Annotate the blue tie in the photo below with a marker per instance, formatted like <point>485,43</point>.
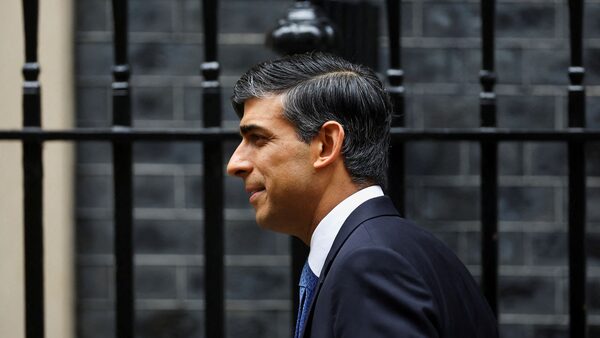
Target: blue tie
<point>308,283</point>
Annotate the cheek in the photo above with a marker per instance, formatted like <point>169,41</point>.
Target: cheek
<point>295,180</point>
<point>285,169</point>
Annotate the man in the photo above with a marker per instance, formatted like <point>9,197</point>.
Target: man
<point>313,157</point>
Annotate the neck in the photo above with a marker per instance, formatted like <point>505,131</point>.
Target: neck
<point>336,191</point>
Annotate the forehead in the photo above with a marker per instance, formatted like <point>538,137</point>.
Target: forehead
<point>263,110</point>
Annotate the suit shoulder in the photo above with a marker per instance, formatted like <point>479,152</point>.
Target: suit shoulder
<point>398,234</point>
<point>368,255</point>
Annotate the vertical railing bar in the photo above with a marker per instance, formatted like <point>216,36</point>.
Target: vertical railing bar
<point>577,177</point>
<point>395,76</point>
<point>213,180</point>
<point>210,31</point>
<point>33,231</point>
<point>373,26</point>
<point>360,43</point>
<point>489,160</point>
<point>348,36</point>
<point>337,16</point>
<point>122,178</point>
<point>394,23</point>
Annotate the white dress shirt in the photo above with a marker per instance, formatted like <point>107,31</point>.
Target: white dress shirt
<point>324,235</point>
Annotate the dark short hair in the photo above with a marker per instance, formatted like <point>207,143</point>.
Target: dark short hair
<point>317,88</point>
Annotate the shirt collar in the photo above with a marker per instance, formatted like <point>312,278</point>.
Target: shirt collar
<point>324,235</point>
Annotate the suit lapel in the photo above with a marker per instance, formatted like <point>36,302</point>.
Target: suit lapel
<point>375,207</point>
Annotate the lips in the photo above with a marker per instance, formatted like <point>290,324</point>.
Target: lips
<point>254,193</point>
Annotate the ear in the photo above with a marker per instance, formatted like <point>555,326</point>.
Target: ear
<point>328,144</point>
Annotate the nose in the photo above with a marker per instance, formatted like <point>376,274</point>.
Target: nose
<point>238,164</point>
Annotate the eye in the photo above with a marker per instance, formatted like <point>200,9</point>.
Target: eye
<point>257,139</point>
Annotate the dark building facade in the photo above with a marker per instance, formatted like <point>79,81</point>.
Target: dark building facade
<point>441,60</point>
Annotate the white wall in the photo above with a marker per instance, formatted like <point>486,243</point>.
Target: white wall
<point>56,60</point>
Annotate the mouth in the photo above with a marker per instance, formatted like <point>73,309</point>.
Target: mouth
<point>253,193</point>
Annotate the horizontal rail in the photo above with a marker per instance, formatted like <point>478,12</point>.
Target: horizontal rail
<point>120,134</point>
<point>215,133</point>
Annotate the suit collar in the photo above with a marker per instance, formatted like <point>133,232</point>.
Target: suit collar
<point>323,236</point>
<point>376,207</point>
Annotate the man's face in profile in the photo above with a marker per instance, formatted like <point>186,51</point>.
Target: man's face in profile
<point>276,166</point>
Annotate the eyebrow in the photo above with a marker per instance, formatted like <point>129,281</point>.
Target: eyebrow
<point>247,128</point>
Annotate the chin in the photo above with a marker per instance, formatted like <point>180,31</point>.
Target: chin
<point>266,226</point>
<point>263,223</point>
<point>271,225</point>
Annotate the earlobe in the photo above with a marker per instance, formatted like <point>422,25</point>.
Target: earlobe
<point>330,140</point>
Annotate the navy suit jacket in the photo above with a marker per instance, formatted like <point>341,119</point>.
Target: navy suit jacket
<point>386,277</point>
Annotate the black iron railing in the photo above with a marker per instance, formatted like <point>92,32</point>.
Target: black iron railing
<point>395,77</point>
<point>489,160</point>
<point>213,183</point>
<point>122,176</point>
<point>577,176</point>
<point>122,135</point>
<point>33,169</point>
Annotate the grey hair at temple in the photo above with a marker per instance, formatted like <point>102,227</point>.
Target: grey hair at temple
<point>317,88</point>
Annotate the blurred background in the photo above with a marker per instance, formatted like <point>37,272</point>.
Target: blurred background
<point>441,60</point>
